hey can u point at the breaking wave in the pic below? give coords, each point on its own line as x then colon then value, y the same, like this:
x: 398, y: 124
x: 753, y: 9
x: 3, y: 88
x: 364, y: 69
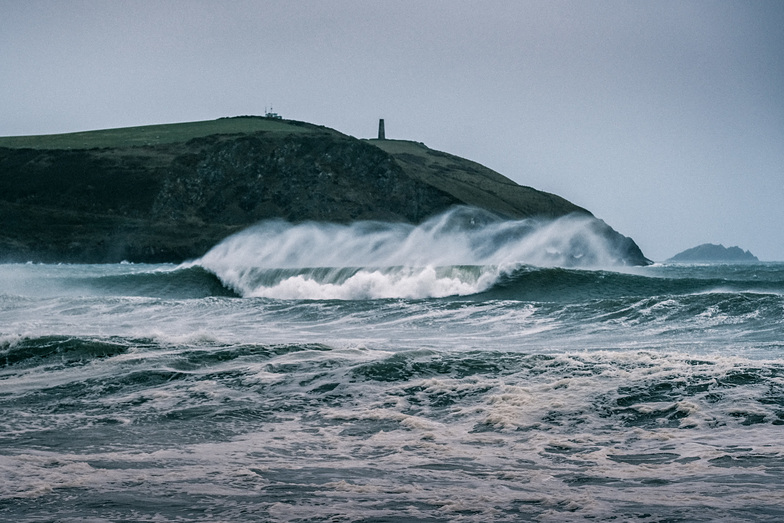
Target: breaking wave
x: 461, y: 252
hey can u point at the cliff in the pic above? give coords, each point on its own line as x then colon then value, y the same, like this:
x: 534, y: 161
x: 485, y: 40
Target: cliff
x: 167, y: 193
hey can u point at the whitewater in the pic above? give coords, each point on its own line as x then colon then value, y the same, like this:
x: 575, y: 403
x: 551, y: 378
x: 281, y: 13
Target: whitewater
x: 465, y: 369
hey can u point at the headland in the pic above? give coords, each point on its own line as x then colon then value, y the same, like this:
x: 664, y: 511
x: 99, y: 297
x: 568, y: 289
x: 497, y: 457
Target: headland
x: 168, y: 193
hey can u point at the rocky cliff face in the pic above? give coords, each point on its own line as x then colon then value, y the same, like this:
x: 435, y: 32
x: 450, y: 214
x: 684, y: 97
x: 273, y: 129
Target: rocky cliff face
x: 240, y: 180
x: 173, y: 199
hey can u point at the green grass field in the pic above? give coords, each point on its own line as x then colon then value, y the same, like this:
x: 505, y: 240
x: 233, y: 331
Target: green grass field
x: 159, y: 134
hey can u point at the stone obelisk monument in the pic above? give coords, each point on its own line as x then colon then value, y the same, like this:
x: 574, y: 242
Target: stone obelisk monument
x: 381, y: 129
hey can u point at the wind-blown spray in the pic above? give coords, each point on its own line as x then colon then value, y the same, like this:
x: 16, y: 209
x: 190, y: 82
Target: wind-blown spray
x: 460, y: 252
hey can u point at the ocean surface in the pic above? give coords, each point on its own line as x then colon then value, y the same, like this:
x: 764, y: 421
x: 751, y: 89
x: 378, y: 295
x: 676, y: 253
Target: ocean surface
x: 465, y: 370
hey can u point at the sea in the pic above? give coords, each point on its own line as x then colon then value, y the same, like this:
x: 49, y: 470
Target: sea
x: 468, y: 369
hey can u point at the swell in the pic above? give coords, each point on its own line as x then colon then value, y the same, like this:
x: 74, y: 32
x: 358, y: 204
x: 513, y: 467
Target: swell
x: 59, y: 351
x: 157, y: 281
x: 571, y: 285
x: 180, y: 283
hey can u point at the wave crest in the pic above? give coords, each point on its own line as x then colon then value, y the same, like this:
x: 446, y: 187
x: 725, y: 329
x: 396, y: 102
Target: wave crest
x: 462, y: 251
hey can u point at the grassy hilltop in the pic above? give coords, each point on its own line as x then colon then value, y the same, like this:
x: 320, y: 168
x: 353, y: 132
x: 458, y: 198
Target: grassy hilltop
x: 473, y: 183
x: 151, y: 135
x: 170, y: 192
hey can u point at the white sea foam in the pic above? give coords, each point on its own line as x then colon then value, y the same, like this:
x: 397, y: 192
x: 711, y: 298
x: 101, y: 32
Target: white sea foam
x: 396, y: 260
x: 357, y: 432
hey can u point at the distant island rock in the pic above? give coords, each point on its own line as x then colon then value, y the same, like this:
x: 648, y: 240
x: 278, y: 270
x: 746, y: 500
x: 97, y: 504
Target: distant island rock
x: 167, y: 193
x: 712, y: 253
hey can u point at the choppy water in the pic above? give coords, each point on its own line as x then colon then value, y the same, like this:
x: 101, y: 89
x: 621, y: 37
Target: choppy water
x: 471, y: 386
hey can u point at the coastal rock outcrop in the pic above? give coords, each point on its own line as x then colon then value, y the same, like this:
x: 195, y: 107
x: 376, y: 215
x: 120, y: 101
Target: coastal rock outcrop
x: 712, y: 253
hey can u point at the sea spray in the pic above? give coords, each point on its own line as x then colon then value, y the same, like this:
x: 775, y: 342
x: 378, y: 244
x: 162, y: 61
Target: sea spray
x: 369, y: 259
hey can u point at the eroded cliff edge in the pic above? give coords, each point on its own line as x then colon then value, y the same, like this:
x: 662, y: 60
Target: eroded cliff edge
x: 168, y: 193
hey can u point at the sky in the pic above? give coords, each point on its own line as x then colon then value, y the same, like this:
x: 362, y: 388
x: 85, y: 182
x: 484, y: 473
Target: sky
x: 665, y: 119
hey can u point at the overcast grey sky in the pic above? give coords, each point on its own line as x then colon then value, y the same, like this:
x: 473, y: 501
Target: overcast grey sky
x: 665, y: 119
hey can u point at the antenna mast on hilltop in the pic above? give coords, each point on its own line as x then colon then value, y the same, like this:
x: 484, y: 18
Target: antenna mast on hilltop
x: 271, y: 114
